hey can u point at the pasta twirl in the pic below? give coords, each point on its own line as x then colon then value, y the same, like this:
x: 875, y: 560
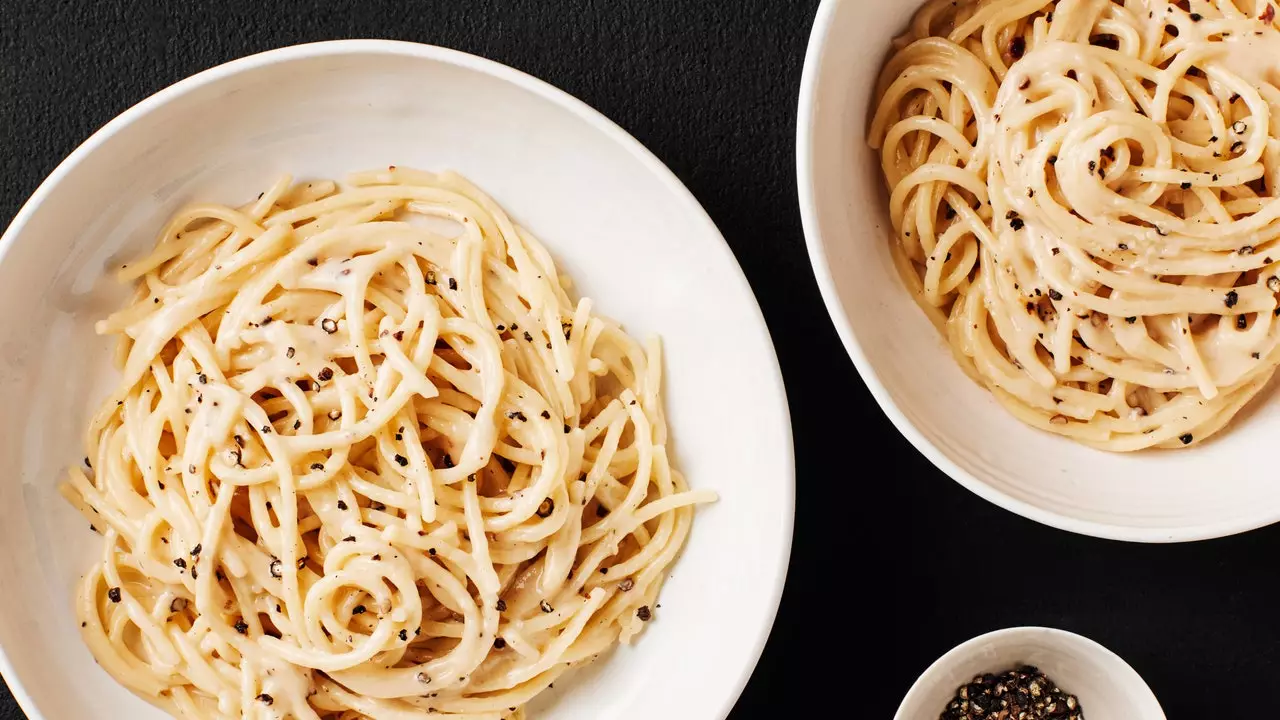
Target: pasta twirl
x: 368, y: 460
x: 1084, y: 195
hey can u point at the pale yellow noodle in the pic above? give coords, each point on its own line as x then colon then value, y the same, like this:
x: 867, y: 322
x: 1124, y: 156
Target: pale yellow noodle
x: 1086, y: 190
x: 358, y: 467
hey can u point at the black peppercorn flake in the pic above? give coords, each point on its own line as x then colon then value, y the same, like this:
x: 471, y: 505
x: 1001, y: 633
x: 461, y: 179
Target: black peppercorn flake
x: 431, y: 552
x: 644, y: 613
x: 265, y: 699
x: 545, y: 607
x: 402, y: 460
x: 1054, y: 294
x: 1186, y: 439
x: 1186, y: 186
x: 404, y: 635
x: 196, y: 550
x: 329, y: 325
x: 501, y: 605
x: 453, y: 284
x: 349, y: 538
x: 546, y: 415
x: 516, y: 415
x: 499, y: 643
x: 325, y: 374
x: 114, y: 594
x: 1241, y: 322
x: 547, y: 507
x: 1231, y: 299
x: 242, y: 627
x: 359, y: 610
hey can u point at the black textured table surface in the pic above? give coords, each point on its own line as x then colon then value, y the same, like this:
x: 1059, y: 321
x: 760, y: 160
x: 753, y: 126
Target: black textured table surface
x: 890, y: 567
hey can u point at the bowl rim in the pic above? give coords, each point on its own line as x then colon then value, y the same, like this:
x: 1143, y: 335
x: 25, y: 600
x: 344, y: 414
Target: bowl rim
x: 819, y: 40
x: 1051, y: 634
x: 785, y: 502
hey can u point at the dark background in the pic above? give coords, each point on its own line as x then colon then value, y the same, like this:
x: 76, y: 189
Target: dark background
x: 893, y: 564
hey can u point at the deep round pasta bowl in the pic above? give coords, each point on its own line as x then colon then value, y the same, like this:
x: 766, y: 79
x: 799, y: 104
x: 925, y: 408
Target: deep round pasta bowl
x: 629, y: 234
x: 1204, y: 491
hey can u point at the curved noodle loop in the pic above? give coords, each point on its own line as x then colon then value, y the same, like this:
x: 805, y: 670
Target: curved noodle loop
x: 1084, y: 192
x: 368, y: 460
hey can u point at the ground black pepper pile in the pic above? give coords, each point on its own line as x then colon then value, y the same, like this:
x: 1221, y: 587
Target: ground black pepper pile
x: 1021, y: 694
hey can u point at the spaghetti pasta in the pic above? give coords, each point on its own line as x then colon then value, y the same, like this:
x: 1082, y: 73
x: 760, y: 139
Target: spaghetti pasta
x: 368, y: 460
x: 1084, y: 197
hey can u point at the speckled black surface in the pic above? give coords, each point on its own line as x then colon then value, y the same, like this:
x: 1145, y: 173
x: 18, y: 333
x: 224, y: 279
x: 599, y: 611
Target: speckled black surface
x: 889, y: 569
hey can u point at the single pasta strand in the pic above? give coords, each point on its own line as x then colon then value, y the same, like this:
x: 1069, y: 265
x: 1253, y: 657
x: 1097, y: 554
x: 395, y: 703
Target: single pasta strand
x: 369, y: 460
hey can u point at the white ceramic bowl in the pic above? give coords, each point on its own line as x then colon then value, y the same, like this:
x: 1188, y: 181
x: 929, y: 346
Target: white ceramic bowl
x: 619, y: 222
x: 1108, y: 689
x: 1219, y: 488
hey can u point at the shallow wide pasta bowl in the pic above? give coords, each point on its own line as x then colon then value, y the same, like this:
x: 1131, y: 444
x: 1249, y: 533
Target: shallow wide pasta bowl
x: 619, y: 223
x: 1219, y: 488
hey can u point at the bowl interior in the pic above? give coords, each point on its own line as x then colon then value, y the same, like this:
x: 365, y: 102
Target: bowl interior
x: 627, y: 232
x: 1209, y: 490
x: 1108, y: 689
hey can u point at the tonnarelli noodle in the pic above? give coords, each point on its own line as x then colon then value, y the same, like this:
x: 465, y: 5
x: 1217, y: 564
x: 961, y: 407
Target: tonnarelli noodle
x: 368, y: 460
x: 1085, y: 193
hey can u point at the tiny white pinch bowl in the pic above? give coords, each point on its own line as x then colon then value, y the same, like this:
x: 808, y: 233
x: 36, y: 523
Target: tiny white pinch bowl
x: 1210, y: 490
x: 617, y: 221
x: 1106, y: 686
